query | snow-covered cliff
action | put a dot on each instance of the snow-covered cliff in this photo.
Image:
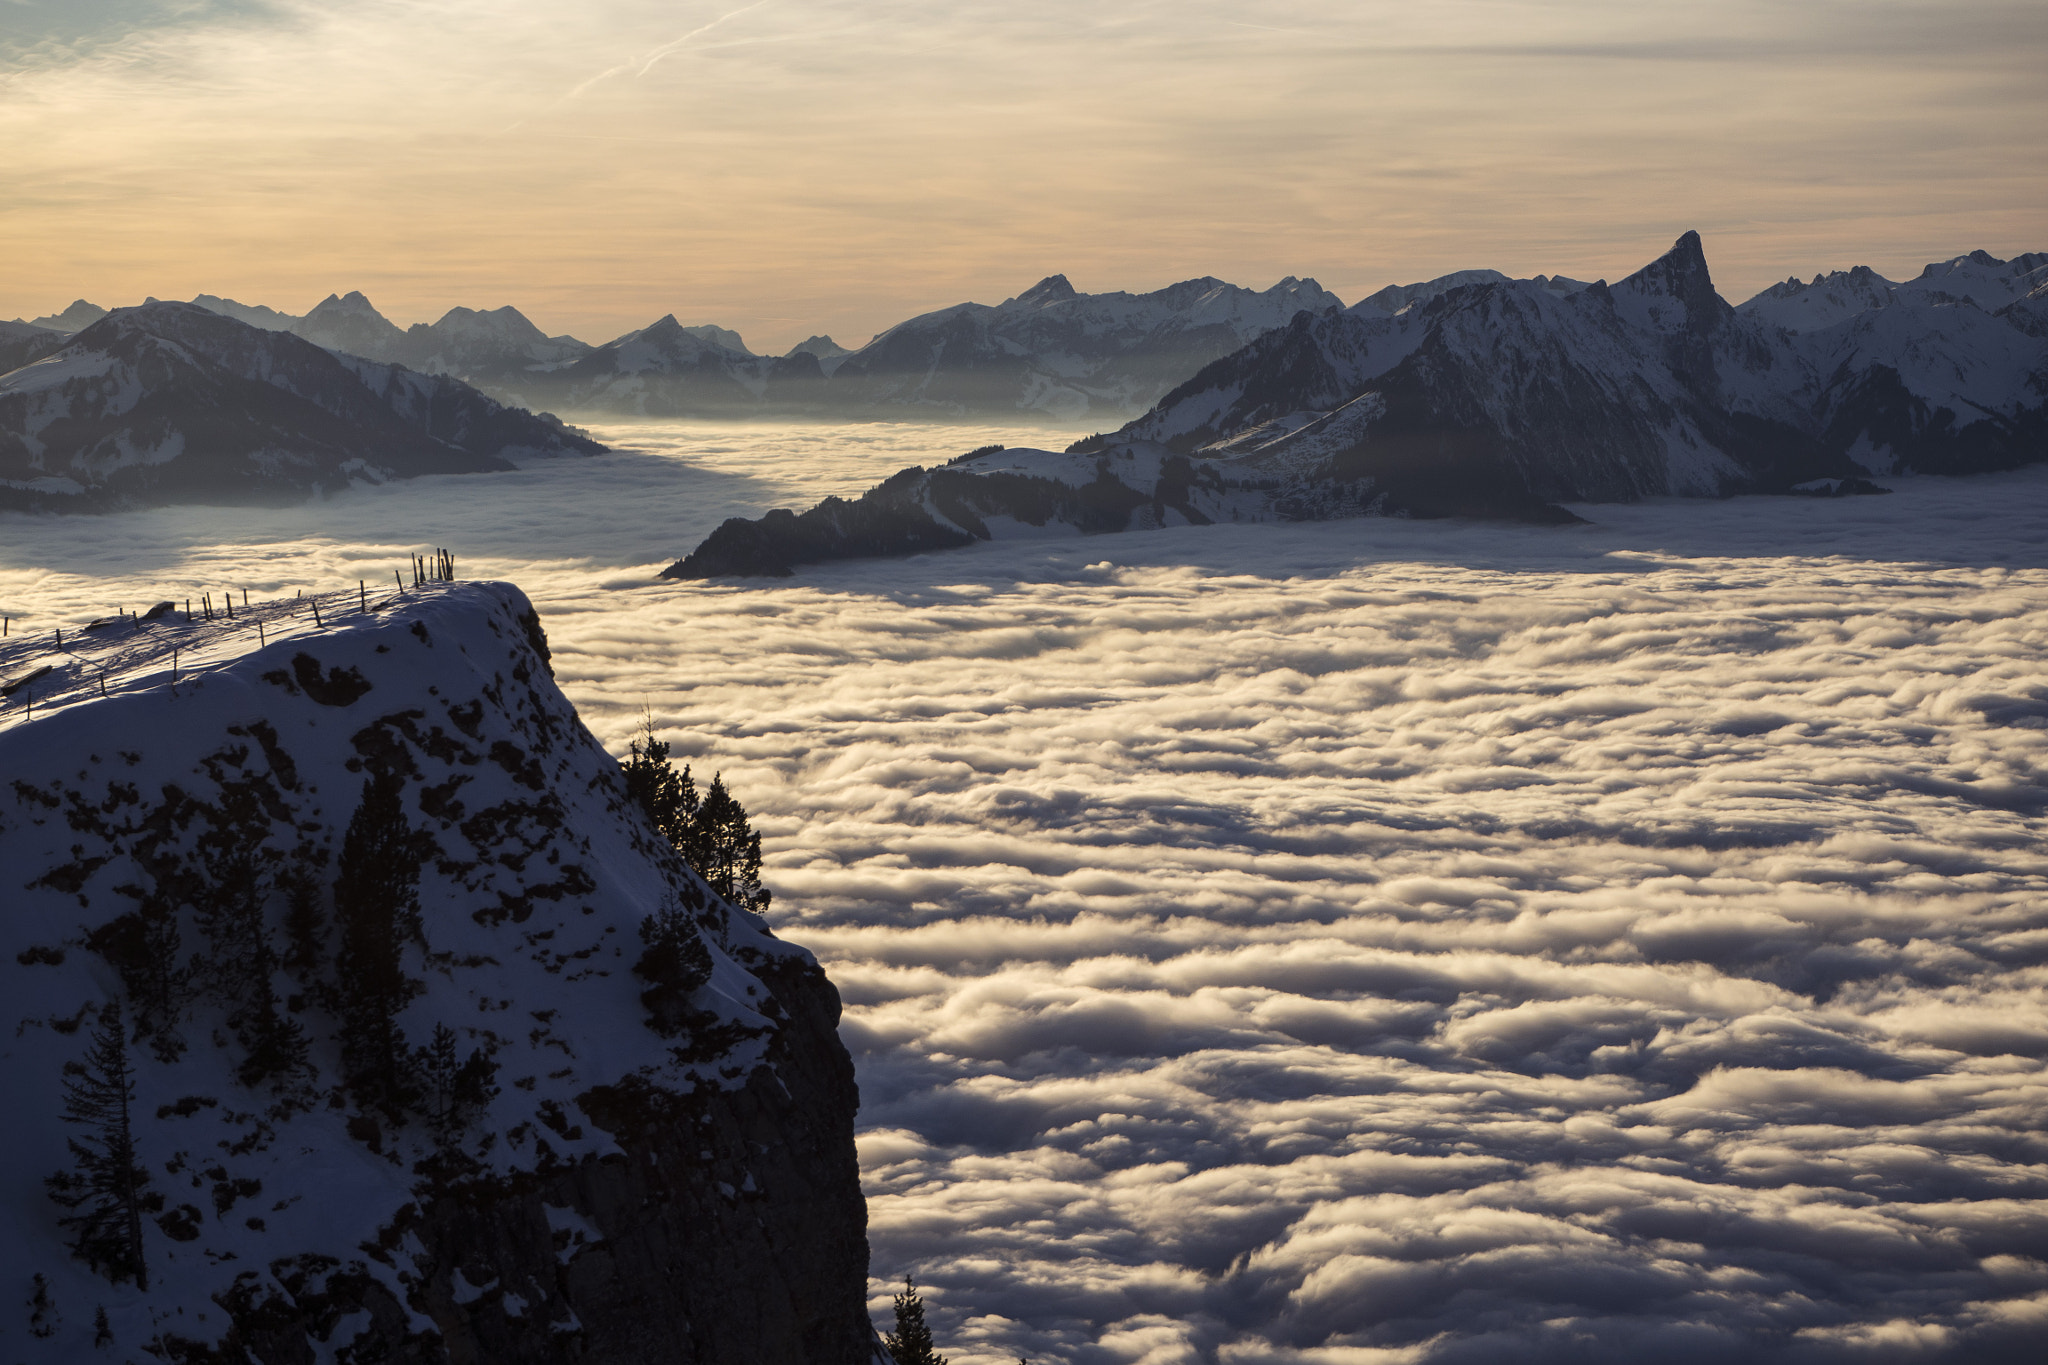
(650, 1165)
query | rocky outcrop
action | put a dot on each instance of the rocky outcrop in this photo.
(660, 1173)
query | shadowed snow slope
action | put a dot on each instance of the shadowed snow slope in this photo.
(627, 1194)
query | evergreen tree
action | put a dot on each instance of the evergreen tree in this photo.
(711, 833)
(105, 1187)
(230, 894)
(43, 1317)
(453, 1090)
(731, 850)
(911, 1342)
(676, 962)
(305, 926)
(147, 949)
(376, 908)
(669, 797)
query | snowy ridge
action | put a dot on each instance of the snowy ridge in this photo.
(1654, 385)
(173, 402)
(286, 1199)
(1477, 395)
(1979, 279)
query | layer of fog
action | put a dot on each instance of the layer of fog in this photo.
(1370, 941)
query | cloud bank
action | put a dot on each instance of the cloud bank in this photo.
(1360, 942)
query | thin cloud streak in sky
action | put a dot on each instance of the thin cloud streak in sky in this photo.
(642, 65)
(854, 167)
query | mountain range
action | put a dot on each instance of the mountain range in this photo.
(1480, 395)
(173, 402)
(1051, 353)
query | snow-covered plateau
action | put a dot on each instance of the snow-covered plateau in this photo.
(618, 1180)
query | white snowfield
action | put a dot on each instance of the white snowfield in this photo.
(531, 913)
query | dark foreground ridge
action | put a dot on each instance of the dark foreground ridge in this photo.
(566, 1103)
(1481, 396)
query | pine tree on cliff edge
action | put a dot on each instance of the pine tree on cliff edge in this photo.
(105, 1189)
(711, 832)
(911, 1342)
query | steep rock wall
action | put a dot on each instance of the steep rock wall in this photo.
(624, 1196)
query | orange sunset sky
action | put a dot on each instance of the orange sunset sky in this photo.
(799, 166)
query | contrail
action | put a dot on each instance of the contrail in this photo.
(642, 65)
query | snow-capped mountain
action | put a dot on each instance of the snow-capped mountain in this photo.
(639, 1159)
(497, 347)
(1487, 396)
(255, 314)
(1056, 353)
(22, 342)
(1048, 353)
(79, 316)
(349, 323)
(1503, 392)
(1821, 302)
(720, 336)
(169, 402)
(1979, 279)
(827, 352)
(1396, 297)
(1654, 385)
(662, 370)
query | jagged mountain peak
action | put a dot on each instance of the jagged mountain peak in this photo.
(355, 302)
(77, 317)
(821, 346)
(1674, 293)
(506, 321)
(1051, 289)
(1680, 273)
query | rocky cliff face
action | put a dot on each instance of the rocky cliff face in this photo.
(659, 1169)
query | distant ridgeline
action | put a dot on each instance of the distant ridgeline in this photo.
(1477, 395)
(171, 402)
(1049, 354)
(364, 1009)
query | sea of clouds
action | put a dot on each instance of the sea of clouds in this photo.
(1349, 943)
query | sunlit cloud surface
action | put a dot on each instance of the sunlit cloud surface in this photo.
(1360, 942)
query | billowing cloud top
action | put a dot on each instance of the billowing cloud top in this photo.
(1361, 942)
